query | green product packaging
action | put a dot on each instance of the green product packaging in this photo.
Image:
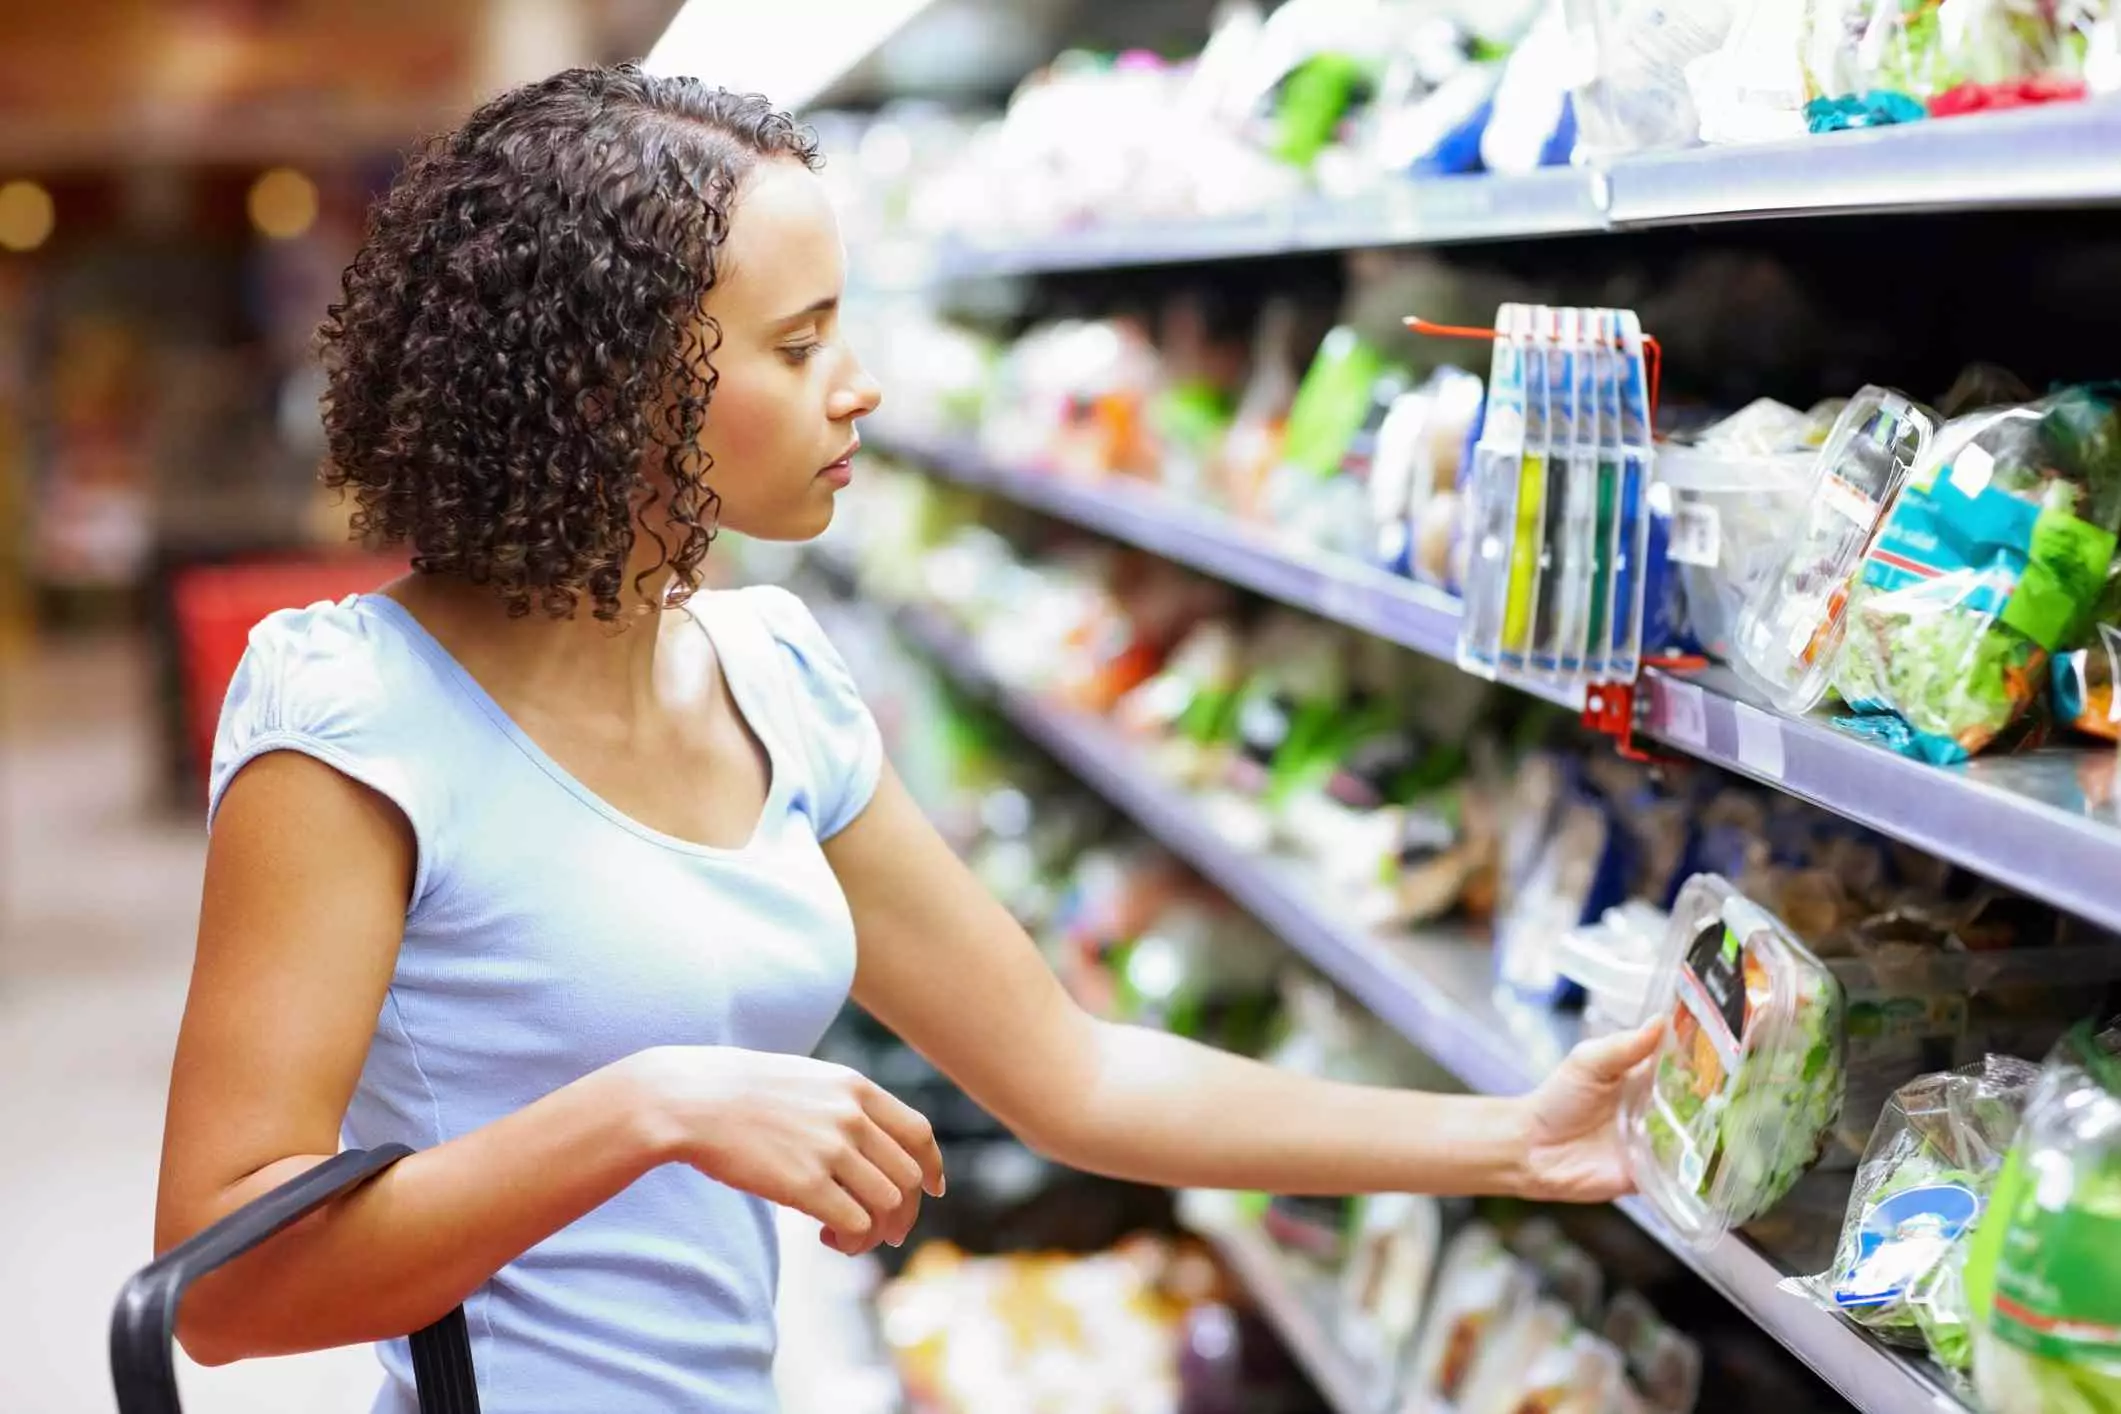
(1331, 403)
(2043, 1269)
(1314, 98)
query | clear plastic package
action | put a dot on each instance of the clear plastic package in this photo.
(1925, 1175)
(1542, 1360)
(1736, 490)
(1492, 507)
(1528, 523)
(1631, 523)
(2043, 1268)
(1572, 507)
(1386, 1283)
(1789, 635)
(1747, 1080)
(1664, 1365)
(1614, 960)
(1607, 458)
(1993, 558)
(1480, 1290)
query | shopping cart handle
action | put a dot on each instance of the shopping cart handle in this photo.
(143, 1328)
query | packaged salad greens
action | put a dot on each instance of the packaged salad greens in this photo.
(1747, 1080)
(2043, 1269)
(1994, 557)
(1919, 1190)
(1789, 634)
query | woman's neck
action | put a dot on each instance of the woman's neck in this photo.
(607, 667)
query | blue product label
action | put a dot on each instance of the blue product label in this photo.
(1625, 631)
(1904, 1238)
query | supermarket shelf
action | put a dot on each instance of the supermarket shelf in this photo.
(2055, 156)
(2045, 823)
(1265, 1274)
(1443, 210)
(1436, 992)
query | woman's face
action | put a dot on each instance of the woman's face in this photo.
(780, 426)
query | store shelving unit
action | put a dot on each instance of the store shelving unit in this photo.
(2039, 822)
(2059, 155)
(1435, 990)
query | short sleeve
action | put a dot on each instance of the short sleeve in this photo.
(837, 734)
(320, 681)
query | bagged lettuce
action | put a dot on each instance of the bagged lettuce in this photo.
(1993, 557)
(2043, 1269)
(1919, 1190)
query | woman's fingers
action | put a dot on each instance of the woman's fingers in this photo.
(898, 1166)
(910, 1128)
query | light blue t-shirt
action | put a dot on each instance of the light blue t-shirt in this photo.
(549, 935)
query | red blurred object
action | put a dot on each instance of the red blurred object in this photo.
(2014, 93)
(216, 606)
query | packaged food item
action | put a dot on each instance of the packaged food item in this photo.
(1747, 1080)
(1397, 1237)
(1419, 448)
(1528, 524)
(1992, 558)
(1565, 1272)
(1491, 524)
(1480, 1290)
(1613, 960)
(1737, 488)
(1562, 617)
(2084, 686)
(1638, 97)
(1542, 1360)
(1788, 636)
(1663, 1365)
(1947, 58)
(1631, 558)
(1919, 1190)
(2043, 1270)
(1608, 457)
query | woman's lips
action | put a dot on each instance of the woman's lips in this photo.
(841, 472)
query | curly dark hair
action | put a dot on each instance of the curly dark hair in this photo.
(523, 328)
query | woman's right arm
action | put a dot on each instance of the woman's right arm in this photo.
(307, 878)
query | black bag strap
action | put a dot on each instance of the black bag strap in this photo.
(143, 1328)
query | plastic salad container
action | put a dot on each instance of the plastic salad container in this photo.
(1748, 1078)
(1736, 490)
(1790, 631)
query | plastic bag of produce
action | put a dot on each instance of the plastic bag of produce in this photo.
(1947, 54)
(1790, 633)
(2043, 1270)
(1748, 1078)
(2084, 686)
(1994, 556)
(1924, 1176)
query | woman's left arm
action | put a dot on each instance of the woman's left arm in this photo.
(944, 966)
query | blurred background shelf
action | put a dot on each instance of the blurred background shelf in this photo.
(2054, 156)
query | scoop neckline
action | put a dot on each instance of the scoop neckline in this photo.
(462, 679)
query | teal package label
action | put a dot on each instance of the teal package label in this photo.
(1943, 530)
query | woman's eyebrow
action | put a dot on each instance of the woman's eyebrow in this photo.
(810, 311)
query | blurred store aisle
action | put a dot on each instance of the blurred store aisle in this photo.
(98, 897)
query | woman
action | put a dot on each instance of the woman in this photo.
(537, 864)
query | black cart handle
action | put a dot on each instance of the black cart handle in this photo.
(143, 1328)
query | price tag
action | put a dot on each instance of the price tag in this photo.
(1759, 742)
(1686, 714)
(1697, 535)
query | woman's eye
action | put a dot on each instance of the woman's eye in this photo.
(800, 353)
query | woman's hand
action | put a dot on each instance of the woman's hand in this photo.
(1573, 1147)
(799, 1132)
